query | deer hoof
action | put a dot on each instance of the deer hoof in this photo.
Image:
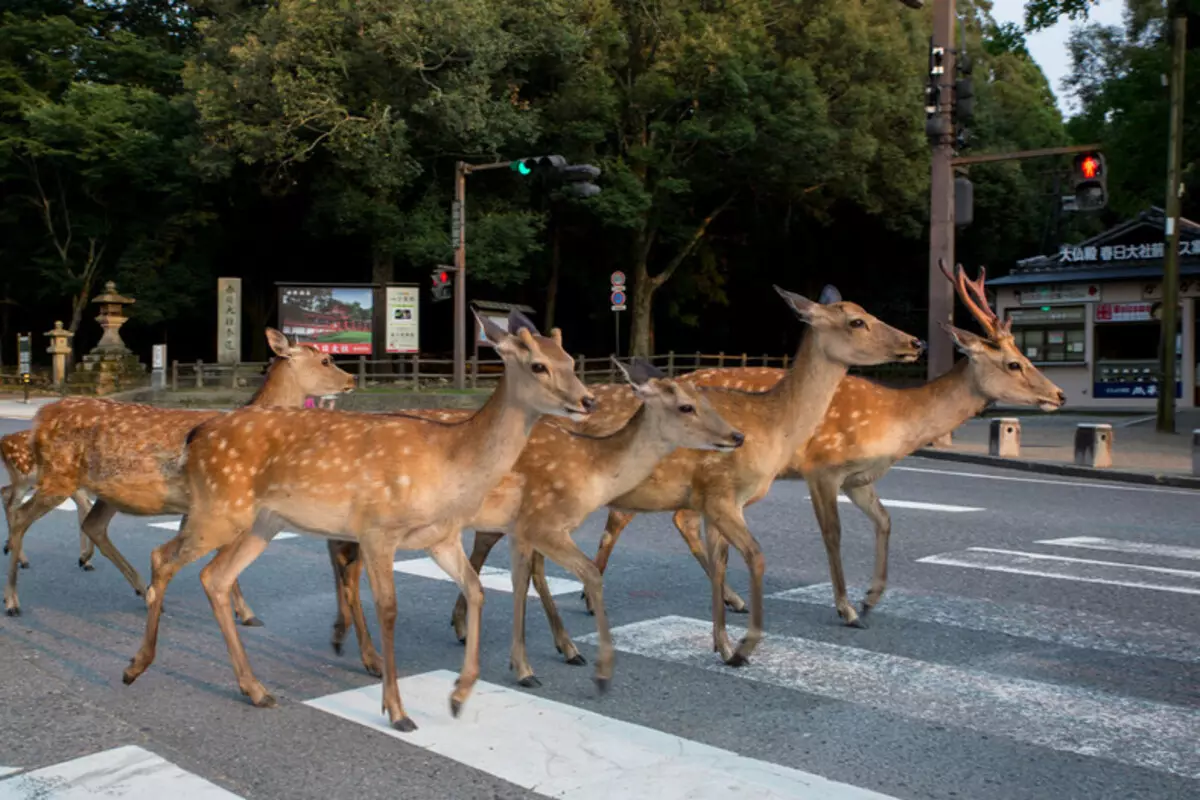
(129, 675)
(530, 682)
(6, 548)
(857, 622)
(267, 701)
(455, 707)
(866, 609)
(577, 660)
(405, 725)
(15, 611)
(24, 565)
(737, 660)
(602, 684)
(337, 647)
(252, 622)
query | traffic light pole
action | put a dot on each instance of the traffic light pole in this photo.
(1165, 422)
(941, 196)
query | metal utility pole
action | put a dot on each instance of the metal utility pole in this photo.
(941, 193)
(1170, 288)
(460, 276)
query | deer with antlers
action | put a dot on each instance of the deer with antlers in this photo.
(869, 428)
(16, 452)
(384, 482)
(564, 476)
(127, 456)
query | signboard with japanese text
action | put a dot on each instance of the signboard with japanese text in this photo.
(24, 353)
(1123, 252)
(334, 319)
(229, 320)
(1144, 311)
(1053, 294)
(1037, 316)
(402, 329)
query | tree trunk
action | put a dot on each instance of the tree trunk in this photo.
(383, 267)
(78, 304)
(641, 297)
(552, 287)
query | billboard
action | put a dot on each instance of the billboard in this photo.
(402, 333)
(336, 319)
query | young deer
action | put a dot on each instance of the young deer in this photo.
(127, 455)
(775, 423)
(385, 482)
(16, 451)
(563, 477)
(870, 427)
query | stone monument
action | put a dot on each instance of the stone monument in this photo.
(111, 365)
(59, 349)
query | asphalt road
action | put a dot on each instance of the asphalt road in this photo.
(1004, 662)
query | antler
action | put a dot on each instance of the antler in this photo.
(975, 299)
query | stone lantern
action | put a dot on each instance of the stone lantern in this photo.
(111, 365)
(111, 318)
(59, 349)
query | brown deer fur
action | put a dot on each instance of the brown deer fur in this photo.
(16, 452)
(127, 455)
(386, 482)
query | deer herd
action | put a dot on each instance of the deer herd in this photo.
(542, 454)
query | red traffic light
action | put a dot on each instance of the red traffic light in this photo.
(1089, 167)
(443, 276)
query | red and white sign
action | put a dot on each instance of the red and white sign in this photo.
(1124, 312)
(618, 279)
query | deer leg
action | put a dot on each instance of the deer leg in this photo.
(718, 559)
(731, 525)
(87, 548)
(563, 551)
(338, 558)
(22, 517)
(451, 557)
(378, 555)
(613, 527)
(522, 572)
(484, 542)
(824, 502)
(9, 494)
(350, 596)
(219, 577)
(562, 639)
(242, 609)
(688, 522)
(95, 526)
(866, 498)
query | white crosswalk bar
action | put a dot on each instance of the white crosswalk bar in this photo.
(916, 505)
(123, 773)
(173, 525)
(1155, 736)
(493, 579)
(1061, 626)
(1124, 546)
(1085, 570)
(557, 750)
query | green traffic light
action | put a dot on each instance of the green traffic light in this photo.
(522, 168)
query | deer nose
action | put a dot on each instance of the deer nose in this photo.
(738, 438)
(918, 344)
(588, 403)
(1062, 397)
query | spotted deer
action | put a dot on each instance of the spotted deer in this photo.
(384, 482)
(563, 476)
(127, 456)
(16, 452)
(869, 428)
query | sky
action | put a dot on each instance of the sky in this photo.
(1049, 47)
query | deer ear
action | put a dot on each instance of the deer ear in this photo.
(967, 343)
(279, 343)
(642, 370)
(638, 377)
(518, 321)
(829, 294)
(501, 340)
(801, 306)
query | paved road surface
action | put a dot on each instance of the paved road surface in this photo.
(1041, 639)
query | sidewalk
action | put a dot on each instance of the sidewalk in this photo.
(14, 407)
(1140, 454)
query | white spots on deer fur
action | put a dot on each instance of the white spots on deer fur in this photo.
(559, 485)
(855, 414)
(404, 451)
(403, 481)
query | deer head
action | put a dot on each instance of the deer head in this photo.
(849, 335)
(538, 372)
(997, 369)
(682, 415)
(313, 371)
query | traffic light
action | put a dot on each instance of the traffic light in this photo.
(1089, 181)
(441, 285)
(574, 179)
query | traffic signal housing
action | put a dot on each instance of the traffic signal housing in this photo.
(441, 284)
(1089, 181)
(572, 179)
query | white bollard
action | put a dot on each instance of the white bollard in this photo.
(1093, 445)
(1004, 437)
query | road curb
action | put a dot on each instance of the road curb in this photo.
(1067, 470)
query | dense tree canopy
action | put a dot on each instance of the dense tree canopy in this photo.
(164, 143)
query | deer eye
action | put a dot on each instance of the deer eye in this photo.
(1015, 366)
(857, 323)
(538, 367)
(687, 408)
(325, 362)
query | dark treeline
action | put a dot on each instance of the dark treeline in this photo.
(163, 144)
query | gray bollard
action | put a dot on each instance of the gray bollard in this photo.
(1196, 452)
(1004, 437)
(1093, 445)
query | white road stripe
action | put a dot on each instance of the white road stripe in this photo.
(8, 771)
(66, 505)
(493, 579)
(173, 525)
(1123, 546)
(916, 505)
(1085, 570)
(1061, 626)
(1108, 487)
(129, 773)
(1142, 733)
(557, 750)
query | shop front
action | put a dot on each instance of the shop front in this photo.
(1089, 315)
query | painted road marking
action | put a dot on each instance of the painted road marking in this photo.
(580, 755)
(66, 505)
(1123, 546)
(8, 771)
(913, 504)
(129, 773)
(1061, 626)
(1108, 487)
(493, 579)
(1132, 731)
(173, 525)
(1085, 570)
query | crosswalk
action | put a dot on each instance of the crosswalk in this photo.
(128, 772)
